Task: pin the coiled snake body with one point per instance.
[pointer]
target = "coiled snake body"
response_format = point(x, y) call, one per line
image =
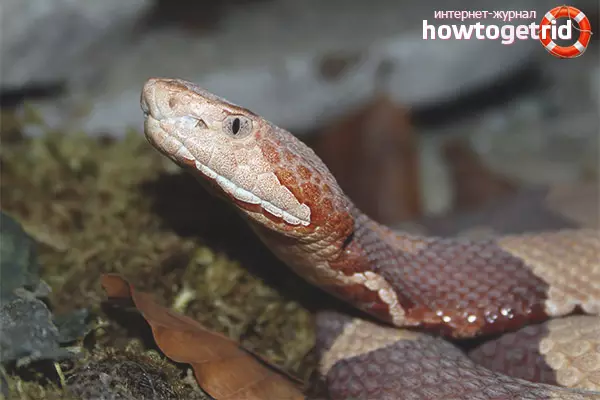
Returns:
point(453, 287)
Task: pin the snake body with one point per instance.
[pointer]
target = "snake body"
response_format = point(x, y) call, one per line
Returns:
point(454, 287)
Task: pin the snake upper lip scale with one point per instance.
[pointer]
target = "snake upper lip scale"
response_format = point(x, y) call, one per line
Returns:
point(457, 287)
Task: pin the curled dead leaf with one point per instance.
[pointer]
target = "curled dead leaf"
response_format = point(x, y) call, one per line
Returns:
point(221, 366)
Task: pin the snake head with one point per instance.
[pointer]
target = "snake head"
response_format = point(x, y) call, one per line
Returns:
point(268, 174)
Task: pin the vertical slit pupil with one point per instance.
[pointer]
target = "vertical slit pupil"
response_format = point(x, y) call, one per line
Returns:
point(235, 127)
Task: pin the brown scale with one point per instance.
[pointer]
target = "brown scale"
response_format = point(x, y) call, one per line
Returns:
point(420, 368)
point(456, 286)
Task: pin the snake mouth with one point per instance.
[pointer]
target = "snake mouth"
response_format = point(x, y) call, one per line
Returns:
point(243, 197)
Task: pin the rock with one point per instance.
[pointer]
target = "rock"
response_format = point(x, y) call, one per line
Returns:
point(45, 42)
point(18, 261)
point(28, 329)
point(28, 332)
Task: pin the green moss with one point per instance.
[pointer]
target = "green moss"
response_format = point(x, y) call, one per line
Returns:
point(31, 390)
point(98, 205)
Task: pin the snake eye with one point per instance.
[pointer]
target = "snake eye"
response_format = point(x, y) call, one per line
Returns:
point(237, 125)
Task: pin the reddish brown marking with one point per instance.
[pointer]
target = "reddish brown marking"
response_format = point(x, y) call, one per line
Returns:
point(270, 153)
point(338, 223)
point(327, 206)
point(304, 173)
point(287, 179)
point(310, 192)
point(321, 206)
point(289, 157)
point(351, 261)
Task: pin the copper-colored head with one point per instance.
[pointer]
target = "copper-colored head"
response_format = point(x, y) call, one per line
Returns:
point(267, 173)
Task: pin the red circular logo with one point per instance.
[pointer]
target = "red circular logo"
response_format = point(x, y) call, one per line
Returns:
point(585, 32)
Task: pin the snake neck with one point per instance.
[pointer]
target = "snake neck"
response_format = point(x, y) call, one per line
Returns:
point(456, 287)
point(345, 266)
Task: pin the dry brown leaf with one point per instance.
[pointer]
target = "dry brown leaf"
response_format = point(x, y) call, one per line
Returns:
point(222, 367)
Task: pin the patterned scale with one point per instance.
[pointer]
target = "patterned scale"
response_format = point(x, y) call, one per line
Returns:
point(459, 286)
point(363, 360)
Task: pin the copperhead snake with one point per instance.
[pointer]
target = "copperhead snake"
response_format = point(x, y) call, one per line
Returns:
point(437, 287)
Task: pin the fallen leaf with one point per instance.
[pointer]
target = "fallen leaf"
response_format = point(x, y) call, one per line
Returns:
point(221, 366)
